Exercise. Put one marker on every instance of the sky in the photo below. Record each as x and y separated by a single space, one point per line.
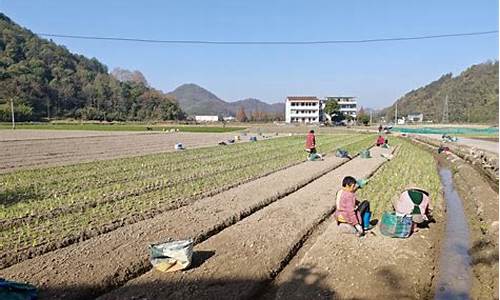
376 73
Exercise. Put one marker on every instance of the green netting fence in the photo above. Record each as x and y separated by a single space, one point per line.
449 130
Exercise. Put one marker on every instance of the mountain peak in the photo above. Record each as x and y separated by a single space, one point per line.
196 100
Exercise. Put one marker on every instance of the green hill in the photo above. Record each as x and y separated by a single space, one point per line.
472 97
195 100
45 80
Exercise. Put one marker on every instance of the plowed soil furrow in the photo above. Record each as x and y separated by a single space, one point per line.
343 266
40 152
7 135
247 255
86 269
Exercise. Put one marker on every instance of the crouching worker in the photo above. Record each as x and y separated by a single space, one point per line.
311 147
380 141
414 202
349 211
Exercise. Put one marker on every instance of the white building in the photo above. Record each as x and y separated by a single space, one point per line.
303 109
206 118
348 105
309 109
416 117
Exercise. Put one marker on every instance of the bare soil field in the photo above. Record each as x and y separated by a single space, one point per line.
40 134
39 148
245 256
109 260
273 237
341 266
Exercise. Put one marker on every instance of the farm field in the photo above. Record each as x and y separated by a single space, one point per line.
122 127
259 215
44 209
250 243
39 134
36 149
394 268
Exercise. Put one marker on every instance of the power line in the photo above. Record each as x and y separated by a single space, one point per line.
322 42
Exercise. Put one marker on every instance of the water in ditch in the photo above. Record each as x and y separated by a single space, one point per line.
454 278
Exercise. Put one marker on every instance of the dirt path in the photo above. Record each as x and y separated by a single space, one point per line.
245 256
69 149
101 263
490 146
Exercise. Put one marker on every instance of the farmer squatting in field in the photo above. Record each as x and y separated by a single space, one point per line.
354 217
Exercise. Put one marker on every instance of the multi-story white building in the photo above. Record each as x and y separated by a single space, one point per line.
309 109
348 105
303 109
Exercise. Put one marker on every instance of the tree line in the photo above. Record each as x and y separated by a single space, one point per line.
46 81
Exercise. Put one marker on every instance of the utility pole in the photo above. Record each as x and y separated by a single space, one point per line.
396 115
12 113
445 119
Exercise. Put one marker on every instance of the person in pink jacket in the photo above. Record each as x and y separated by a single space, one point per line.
348 209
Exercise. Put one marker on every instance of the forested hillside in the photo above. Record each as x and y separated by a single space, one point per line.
195 100
472 97
47 81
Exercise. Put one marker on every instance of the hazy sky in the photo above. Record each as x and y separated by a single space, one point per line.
377 73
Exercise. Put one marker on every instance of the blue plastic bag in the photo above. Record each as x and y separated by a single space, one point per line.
11 290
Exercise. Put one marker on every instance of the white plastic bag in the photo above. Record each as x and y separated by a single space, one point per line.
171 256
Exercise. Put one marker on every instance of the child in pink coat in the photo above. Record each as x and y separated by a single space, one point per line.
347 211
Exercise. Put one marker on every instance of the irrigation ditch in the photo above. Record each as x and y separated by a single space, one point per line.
473 254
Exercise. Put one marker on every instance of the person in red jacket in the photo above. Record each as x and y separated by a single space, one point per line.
310 147
311 142
380 140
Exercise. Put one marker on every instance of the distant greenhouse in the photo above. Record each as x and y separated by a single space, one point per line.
206 118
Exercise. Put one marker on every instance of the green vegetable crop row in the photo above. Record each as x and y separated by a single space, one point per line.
411 166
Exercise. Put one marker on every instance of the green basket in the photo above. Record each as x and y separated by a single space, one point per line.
365 154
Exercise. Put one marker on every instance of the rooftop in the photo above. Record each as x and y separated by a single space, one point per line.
302 98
